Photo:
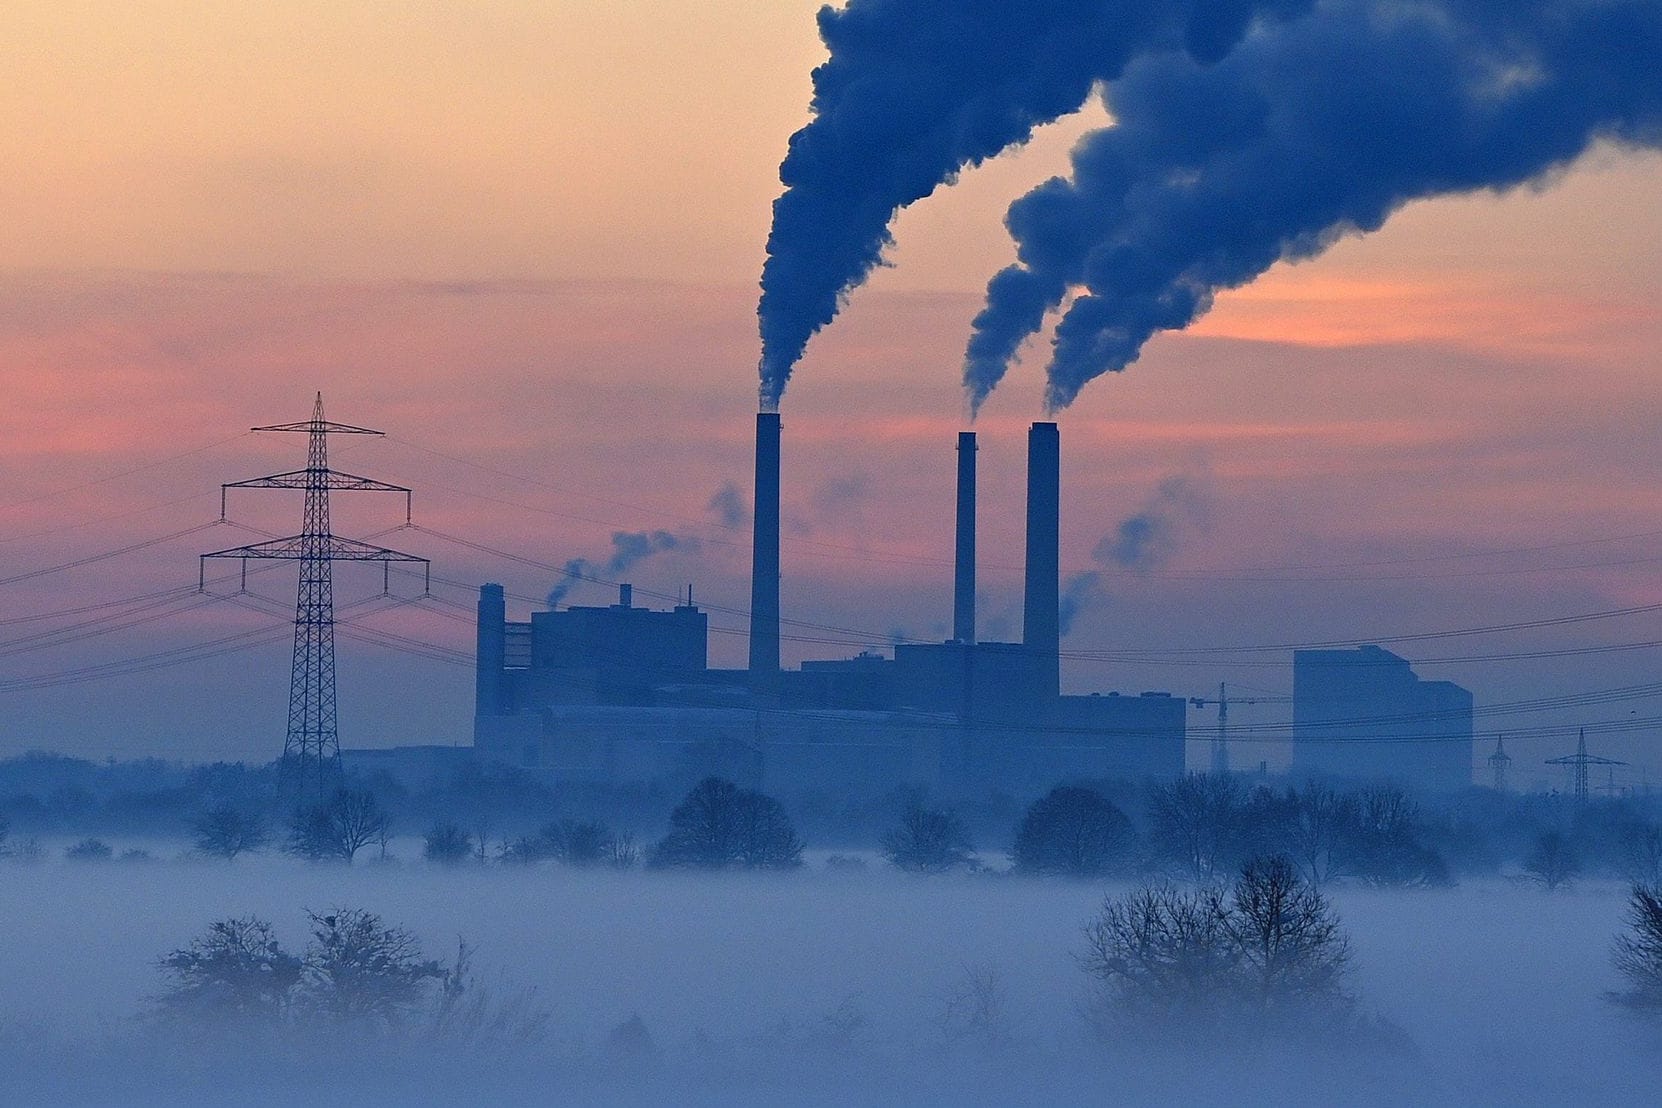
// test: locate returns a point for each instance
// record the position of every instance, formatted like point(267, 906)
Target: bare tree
point(347, 822)
point(1162, 954)
point(1638, 953)
point(975, 1008)
point(1269, 954)
point(1293, 955)
point(1321, 820)
point(1194, 821)
point(1383, 846)
point(1073, 831)
point(928, 840)
point(224, 831)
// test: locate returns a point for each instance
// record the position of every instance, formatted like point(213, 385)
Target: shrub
point(1552, 861)
point(447, 844)
point(89, 850)
point(236, 968)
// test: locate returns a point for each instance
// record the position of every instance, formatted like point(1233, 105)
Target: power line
point(108, 554)
point(145, 468)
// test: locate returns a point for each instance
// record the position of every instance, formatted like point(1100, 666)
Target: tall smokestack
point(963, 575)
point(492, 655)
point(764, 564)
point(1041, 615)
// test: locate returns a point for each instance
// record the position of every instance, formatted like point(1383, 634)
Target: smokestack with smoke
point(629, 548)
point(1305, 132)
point(764, 567)
point(914, 92)
point(963, 563)
point(1041, 611)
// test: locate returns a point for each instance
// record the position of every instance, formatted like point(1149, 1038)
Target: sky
point(524, 240)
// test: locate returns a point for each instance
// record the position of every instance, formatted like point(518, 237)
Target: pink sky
point(528, 238)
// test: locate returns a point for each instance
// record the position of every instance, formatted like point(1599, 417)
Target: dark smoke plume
point(914, 92)
point(728, 506)
point(629, 548)
point(1305, 132)
point(1149, 538)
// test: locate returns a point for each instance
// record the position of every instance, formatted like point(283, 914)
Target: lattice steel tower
point(1581, 760)
point(311, 750)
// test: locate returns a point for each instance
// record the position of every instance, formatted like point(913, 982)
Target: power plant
point(625, 695)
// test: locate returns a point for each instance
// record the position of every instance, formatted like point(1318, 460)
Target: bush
point(446, 844)
point(89, 850)
point(356, 972)
point(1552, 861)
point(235, 969)
point(1073, 831)
point(928, 840)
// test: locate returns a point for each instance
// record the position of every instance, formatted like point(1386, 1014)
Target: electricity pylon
point(1499, 762)
point(1581, 760)
point(311, 750)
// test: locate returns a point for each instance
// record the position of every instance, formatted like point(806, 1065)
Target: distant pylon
point(1581, 760)
point(1499, 762)
point(311, 749)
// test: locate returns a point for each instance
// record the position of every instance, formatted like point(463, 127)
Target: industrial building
point(623, 694)
point(1363, 715)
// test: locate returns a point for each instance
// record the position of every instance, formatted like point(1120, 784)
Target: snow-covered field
point(817, 986)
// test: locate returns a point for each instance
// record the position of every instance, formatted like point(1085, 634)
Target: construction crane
point(1581, 760)
point(1220, 741)
point(1499, 762)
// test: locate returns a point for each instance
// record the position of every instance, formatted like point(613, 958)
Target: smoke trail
point(1148, 538)
point(1307, 131)
point(1079, 592)
point(629, 548)
point(728, 506)
point(914, 92)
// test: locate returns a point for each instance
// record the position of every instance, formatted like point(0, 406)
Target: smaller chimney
point(625, 596)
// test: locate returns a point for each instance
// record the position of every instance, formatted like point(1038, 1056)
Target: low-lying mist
point(843, 985)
